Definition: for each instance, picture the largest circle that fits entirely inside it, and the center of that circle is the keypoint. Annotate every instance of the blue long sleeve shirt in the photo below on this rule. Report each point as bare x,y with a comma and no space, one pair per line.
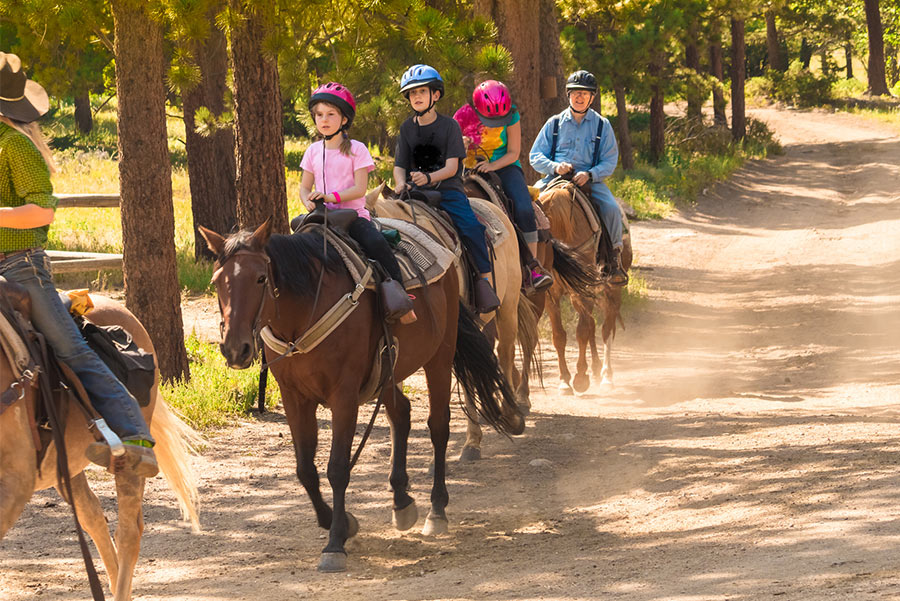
575,145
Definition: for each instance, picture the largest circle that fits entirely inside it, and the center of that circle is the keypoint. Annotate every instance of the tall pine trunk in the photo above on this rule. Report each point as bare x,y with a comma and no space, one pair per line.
772,43
260,180
877,81
626,148
210,158
145,180
520,32
848,55
84,117
717,70
891,62
738,72
806,52
694,91
553,78
657,114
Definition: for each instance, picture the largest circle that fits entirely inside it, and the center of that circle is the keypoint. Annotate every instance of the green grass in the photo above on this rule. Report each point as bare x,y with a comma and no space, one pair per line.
216,394
889,117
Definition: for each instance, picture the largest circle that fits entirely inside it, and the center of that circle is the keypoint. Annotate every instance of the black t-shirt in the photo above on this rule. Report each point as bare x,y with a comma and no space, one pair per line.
426,148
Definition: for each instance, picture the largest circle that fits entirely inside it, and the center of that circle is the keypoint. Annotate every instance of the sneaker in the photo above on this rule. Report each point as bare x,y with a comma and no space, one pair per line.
541,280
140,459
485,298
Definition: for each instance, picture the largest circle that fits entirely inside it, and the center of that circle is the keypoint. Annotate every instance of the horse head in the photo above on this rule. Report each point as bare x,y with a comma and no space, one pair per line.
243,281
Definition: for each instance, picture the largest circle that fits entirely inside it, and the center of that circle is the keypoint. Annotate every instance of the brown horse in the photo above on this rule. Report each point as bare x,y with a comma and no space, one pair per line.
569,224
287,284
514,319
20,476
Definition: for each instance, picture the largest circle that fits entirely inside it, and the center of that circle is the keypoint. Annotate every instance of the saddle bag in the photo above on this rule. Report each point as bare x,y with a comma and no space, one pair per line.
128,362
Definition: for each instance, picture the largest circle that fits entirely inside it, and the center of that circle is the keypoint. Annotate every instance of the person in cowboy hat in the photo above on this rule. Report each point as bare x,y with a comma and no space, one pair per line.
27,208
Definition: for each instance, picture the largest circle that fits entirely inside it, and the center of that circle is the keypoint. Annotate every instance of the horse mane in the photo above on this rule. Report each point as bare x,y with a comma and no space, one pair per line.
296,258
557,205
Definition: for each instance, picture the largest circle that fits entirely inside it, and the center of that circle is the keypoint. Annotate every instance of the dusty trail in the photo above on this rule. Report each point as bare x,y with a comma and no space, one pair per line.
749,451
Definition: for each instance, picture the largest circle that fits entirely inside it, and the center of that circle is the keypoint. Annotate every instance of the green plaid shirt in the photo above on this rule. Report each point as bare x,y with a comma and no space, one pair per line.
24,179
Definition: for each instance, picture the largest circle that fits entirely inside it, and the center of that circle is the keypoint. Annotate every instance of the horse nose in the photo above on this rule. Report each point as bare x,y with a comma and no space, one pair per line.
239,358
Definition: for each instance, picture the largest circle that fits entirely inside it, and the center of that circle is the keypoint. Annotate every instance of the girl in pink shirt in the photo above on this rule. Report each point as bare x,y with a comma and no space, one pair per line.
336,172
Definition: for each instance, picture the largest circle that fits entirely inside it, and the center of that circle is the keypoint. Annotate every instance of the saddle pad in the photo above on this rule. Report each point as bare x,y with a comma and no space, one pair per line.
496,233
490,190
418,252
583,202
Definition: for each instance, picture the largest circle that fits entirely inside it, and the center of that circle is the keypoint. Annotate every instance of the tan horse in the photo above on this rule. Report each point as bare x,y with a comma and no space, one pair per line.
515,319
20,478
569,224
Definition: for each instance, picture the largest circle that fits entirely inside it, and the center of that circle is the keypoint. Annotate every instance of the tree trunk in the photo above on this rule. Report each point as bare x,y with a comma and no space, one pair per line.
877,81
84,118
626,149
152,292
520,32
716,70
806,52
848,54
260,180
210,158
694,92
891,62
826,65
657,115
738,70
553,78
772,44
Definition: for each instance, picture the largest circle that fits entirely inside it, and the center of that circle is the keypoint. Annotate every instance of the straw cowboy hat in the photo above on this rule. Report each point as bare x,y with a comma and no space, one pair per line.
20,98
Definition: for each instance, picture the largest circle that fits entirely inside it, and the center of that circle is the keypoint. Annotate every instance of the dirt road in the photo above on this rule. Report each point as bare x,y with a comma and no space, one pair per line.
749,451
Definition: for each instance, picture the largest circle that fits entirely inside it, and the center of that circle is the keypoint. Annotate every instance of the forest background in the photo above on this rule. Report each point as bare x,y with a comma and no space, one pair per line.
195,110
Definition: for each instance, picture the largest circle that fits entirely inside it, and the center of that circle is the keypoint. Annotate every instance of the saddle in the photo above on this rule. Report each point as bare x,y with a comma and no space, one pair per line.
492,187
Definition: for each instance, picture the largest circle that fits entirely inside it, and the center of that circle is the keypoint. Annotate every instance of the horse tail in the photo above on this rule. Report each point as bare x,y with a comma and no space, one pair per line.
527,334
577,275
478,371
175,443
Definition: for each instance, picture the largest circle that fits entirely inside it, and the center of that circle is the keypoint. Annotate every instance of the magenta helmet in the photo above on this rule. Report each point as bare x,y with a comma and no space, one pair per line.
338,95
493,103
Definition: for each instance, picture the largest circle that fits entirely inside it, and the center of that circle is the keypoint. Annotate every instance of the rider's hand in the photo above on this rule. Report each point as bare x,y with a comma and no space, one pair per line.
564,168
400,188
483,167
418,178
467,141
581,178
314,196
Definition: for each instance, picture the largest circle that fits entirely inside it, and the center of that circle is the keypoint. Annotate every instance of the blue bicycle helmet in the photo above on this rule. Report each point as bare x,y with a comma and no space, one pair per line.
421,75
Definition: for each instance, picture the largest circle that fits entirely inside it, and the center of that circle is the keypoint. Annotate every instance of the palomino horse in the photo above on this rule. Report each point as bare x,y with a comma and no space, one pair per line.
288,287
20,476
578,276
514,319
569,224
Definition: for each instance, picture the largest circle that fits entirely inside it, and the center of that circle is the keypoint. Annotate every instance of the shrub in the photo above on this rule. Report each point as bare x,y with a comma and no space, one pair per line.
801,87
843,88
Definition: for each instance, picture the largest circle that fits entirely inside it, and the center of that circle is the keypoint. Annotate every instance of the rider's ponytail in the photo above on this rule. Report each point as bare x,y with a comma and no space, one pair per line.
346,147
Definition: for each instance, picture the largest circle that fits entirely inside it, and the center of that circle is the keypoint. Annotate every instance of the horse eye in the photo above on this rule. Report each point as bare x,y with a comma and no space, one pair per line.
261,280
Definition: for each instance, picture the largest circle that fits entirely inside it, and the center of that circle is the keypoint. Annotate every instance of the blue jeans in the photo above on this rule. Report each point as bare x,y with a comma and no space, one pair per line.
513,180
610,214
109,396
470,229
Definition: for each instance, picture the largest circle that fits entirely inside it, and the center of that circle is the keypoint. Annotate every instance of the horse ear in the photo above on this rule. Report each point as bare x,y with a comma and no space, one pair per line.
261,236
372,196
214,241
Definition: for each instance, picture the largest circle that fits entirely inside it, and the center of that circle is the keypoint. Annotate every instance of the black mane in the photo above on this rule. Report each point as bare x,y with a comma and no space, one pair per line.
296,259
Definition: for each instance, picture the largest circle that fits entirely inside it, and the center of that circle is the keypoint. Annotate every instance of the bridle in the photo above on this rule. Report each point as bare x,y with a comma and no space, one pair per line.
270,291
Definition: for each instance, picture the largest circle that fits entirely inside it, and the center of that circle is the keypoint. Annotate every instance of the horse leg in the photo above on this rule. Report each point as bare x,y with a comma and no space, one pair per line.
437,373
471,450
585,333
397,407
18,466
90,515
301,418
559,343
608,331
344,411
129,495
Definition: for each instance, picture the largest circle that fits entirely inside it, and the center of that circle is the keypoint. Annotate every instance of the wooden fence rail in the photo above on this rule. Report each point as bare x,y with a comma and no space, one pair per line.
65,261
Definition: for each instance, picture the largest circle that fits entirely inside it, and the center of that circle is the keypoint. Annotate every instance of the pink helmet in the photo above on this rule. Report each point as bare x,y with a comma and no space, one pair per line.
493,103
338,95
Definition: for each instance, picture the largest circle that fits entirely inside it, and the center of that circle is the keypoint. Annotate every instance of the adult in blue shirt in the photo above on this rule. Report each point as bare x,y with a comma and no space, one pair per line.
577,153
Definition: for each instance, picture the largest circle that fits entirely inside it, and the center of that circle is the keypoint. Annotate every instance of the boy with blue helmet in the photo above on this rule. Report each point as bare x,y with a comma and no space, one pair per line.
429,155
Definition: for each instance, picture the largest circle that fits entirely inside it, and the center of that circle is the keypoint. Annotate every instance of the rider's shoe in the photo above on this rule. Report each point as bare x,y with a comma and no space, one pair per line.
485,298
541,280
138,458
617,274
396,302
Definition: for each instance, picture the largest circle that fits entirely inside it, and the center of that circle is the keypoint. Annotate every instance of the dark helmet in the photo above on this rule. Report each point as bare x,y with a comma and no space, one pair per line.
421,75
582,80
338,95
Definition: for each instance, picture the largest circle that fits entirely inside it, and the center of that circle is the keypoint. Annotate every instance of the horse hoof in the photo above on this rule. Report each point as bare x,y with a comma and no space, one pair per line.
516,424
406,518
470,454
581,383
352,525
565,389
333,562
435,526
607,383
